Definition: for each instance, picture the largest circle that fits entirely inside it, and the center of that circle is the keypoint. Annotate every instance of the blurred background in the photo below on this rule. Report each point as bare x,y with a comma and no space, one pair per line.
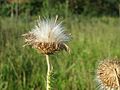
95,29
13,8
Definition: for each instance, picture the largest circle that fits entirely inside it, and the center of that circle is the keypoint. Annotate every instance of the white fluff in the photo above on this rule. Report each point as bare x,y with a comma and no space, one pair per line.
49,31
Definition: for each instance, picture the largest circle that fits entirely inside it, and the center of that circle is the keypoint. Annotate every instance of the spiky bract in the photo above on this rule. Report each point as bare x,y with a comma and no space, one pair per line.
108,74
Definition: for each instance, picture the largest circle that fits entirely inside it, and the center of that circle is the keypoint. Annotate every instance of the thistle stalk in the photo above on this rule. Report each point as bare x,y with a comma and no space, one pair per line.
48,37
48,72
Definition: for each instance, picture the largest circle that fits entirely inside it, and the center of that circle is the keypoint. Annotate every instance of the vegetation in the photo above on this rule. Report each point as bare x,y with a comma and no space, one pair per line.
59,7
95,29
93,39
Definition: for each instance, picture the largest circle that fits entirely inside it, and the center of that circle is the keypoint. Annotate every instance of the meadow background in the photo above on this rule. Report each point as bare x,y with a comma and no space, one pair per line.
95,29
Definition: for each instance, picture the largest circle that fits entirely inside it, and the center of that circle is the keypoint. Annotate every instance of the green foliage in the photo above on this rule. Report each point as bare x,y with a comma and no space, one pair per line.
62,7
93,39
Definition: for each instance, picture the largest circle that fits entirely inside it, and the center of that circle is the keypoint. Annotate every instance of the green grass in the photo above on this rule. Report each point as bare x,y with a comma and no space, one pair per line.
93,39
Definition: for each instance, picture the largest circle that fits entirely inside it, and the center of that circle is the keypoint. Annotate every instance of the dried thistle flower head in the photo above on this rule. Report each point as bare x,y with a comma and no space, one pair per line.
108,74
48,36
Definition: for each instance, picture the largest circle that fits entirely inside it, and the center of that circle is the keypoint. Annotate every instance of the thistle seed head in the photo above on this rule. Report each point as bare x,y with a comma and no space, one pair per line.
47,36
108,74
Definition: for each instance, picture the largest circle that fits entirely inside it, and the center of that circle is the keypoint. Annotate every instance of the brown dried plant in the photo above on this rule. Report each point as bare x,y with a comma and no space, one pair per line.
108,74
48,37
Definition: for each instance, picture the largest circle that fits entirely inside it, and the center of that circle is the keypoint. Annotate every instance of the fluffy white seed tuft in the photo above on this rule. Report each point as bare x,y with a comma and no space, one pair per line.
49,31
47,36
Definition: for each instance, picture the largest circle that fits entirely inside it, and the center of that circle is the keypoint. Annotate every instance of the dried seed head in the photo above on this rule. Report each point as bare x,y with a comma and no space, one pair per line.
108,74
48,36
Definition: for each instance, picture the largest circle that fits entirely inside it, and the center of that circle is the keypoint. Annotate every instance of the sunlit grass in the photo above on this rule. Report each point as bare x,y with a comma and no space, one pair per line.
92,40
